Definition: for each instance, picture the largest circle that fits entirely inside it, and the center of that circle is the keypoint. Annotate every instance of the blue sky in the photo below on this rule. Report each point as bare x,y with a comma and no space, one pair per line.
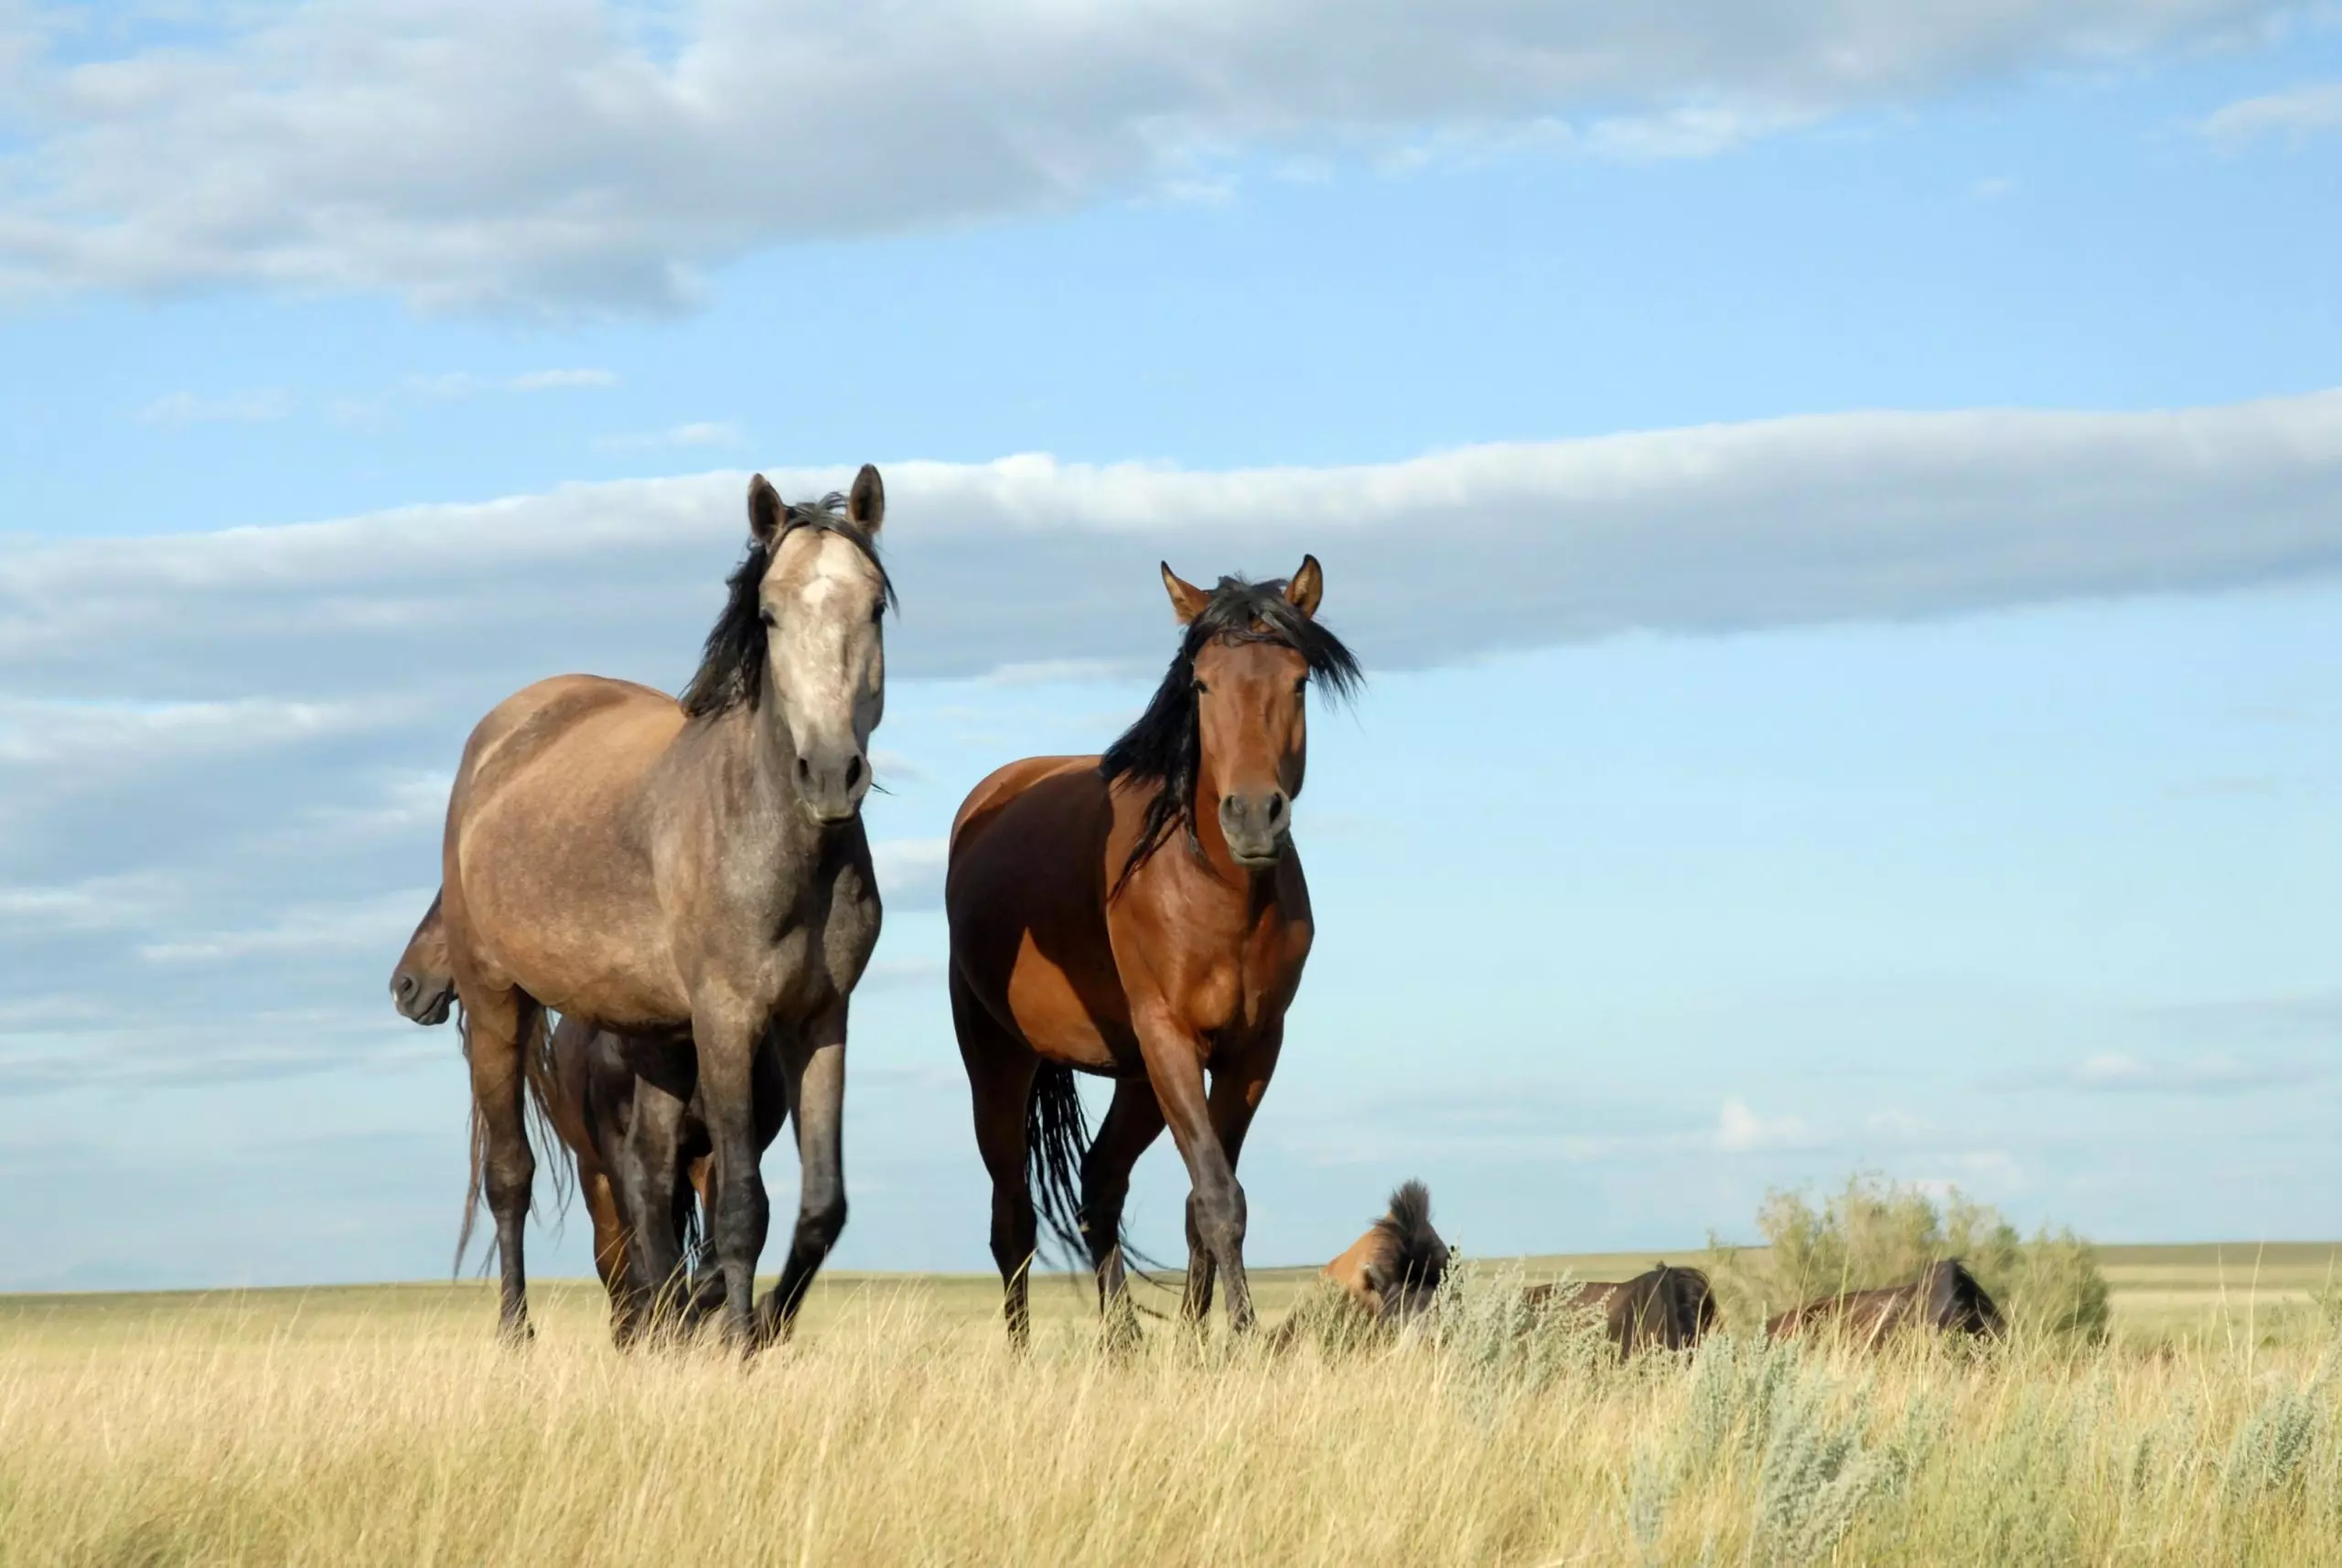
1842,507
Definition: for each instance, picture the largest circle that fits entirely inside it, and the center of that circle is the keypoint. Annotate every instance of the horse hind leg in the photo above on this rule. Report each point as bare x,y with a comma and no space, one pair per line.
1001,1068
1133,1121
501,1026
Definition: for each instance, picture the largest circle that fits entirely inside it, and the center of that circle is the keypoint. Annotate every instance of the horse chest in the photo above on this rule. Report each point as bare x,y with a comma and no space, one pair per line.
1251,985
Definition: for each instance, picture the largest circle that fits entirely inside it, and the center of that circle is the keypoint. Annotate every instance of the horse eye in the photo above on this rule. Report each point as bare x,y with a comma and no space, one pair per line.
766,617
1301,685
878,612
1201,688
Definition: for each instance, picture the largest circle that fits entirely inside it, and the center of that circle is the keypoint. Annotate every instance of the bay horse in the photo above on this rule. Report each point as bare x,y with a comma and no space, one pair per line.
626,1112
692,870
1945,1298
1142,916
1665,1308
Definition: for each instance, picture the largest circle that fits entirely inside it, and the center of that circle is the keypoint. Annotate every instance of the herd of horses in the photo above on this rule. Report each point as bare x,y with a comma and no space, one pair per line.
685,886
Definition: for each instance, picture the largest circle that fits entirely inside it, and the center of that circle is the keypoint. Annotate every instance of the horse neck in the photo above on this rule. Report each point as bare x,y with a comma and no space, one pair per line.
754,799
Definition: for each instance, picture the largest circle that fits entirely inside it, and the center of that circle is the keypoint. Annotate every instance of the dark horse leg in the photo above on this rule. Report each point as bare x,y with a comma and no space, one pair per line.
1000,1082
1132,1122
814,1068
728,1033
1209,1129
647,1169
609,1251
499,1027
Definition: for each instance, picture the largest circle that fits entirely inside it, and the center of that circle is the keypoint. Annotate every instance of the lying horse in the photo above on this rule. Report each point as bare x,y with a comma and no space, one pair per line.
1945,1298
627,1111
1666,1307
1388,1278
1393,1272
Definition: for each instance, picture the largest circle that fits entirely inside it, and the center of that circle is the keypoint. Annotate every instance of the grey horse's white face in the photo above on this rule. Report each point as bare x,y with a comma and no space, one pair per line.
825,646
824,604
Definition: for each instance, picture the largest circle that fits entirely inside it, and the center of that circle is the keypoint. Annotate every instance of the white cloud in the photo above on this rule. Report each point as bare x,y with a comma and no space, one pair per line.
552,153
377,924
1740,1131
233,408
1030,561
2293,116
1894,1124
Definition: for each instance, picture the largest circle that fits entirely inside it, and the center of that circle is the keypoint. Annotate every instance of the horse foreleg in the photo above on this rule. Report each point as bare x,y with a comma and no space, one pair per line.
815,1069
728,1036
1175,1065
1237,1087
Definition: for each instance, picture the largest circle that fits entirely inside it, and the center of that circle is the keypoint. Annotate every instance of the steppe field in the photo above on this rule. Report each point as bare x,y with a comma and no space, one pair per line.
382,1426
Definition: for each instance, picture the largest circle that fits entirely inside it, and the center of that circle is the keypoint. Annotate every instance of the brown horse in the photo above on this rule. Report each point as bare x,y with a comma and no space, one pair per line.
692,871
1666,1307
1946,1298
1142,916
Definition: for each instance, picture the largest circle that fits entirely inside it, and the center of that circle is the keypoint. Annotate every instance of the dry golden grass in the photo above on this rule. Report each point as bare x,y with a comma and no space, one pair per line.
362,1427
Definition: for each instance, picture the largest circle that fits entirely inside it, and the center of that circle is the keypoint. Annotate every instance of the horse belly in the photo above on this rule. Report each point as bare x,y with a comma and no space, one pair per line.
1049,1008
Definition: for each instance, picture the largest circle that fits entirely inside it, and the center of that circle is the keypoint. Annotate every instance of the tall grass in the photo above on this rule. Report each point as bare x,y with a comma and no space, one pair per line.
893,1435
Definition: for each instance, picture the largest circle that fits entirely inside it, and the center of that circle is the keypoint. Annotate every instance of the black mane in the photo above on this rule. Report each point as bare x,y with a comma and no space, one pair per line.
1162,749
731,663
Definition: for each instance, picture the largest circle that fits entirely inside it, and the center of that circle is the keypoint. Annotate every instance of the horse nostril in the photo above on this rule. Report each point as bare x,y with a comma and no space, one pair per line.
853,772
1276,806
804,771
404,986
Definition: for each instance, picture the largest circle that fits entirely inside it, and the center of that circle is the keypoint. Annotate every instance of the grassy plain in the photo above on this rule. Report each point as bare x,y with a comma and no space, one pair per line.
379,1425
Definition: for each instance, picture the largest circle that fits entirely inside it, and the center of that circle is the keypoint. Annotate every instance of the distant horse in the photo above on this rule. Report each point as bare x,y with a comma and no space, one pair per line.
1392,1273
1142,916
1388,1278
1666,1307
627,1113
1946,1298
692,871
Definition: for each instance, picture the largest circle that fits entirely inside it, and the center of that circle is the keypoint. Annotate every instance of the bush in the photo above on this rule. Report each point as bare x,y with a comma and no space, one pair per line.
1876,1233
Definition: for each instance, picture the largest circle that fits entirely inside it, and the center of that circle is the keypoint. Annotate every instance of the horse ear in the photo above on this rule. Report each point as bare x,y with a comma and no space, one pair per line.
866,507
1307,591
1188,601
763,511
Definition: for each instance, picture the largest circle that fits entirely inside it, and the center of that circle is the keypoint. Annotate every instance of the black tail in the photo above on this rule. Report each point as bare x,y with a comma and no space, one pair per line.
1056,1138
536,1070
